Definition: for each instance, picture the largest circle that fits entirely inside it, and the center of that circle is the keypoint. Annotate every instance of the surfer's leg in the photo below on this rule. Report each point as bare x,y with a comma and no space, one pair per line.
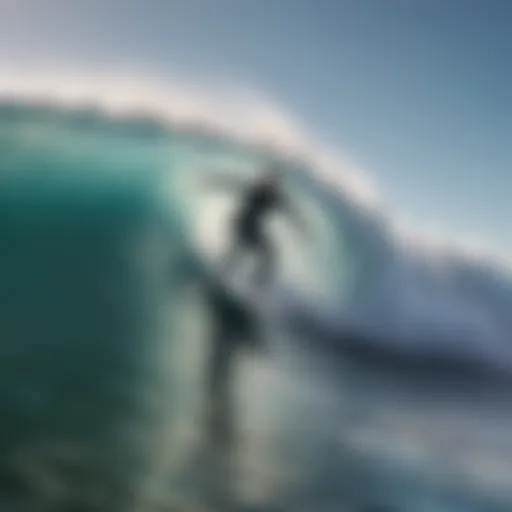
243,239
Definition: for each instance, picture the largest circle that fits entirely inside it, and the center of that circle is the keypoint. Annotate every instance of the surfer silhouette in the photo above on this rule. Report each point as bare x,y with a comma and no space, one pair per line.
233,323
248,235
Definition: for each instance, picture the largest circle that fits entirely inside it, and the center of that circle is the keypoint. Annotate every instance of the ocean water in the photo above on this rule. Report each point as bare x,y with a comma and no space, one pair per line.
380,379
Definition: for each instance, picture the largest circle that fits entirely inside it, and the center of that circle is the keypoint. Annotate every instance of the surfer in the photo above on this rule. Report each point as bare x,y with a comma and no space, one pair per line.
235,324
248,235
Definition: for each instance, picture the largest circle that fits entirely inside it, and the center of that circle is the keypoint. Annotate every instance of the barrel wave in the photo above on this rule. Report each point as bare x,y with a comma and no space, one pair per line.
379,353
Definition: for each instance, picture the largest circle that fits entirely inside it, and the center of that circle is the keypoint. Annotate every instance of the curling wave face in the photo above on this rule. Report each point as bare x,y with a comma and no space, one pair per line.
99,221
364,276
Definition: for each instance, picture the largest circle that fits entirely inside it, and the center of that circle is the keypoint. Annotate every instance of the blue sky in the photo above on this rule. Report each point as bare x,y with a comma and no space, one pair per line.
417,92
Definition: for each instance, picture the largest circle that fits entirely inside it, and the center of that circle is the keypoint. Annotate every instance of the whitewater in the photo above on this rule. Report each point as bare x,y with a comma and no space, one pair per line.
388,379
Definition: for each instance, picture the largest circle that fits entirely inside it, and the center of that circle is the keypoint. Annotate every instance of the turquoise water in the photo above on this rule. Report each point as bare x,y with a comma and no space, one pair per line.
104,343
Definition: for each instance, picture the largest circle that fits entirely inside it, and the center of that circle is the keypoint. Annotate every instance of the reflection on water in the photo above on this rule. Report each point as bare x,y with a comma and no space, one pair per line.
318,434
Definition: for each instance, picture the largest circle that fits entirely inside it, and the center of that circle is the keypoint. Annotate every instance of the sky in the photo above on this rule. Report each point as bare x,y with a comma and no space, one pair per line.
417,92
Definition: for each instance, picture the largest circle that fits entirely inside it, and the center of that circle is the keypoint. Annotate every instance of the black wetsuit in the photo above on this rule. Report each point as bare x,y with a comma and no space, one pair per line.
260,200
248,229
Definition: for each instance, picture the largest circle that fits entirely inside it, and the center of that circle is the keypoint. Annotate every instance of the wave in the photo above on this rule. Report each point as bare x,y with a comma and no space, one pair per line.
103,336
391,291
